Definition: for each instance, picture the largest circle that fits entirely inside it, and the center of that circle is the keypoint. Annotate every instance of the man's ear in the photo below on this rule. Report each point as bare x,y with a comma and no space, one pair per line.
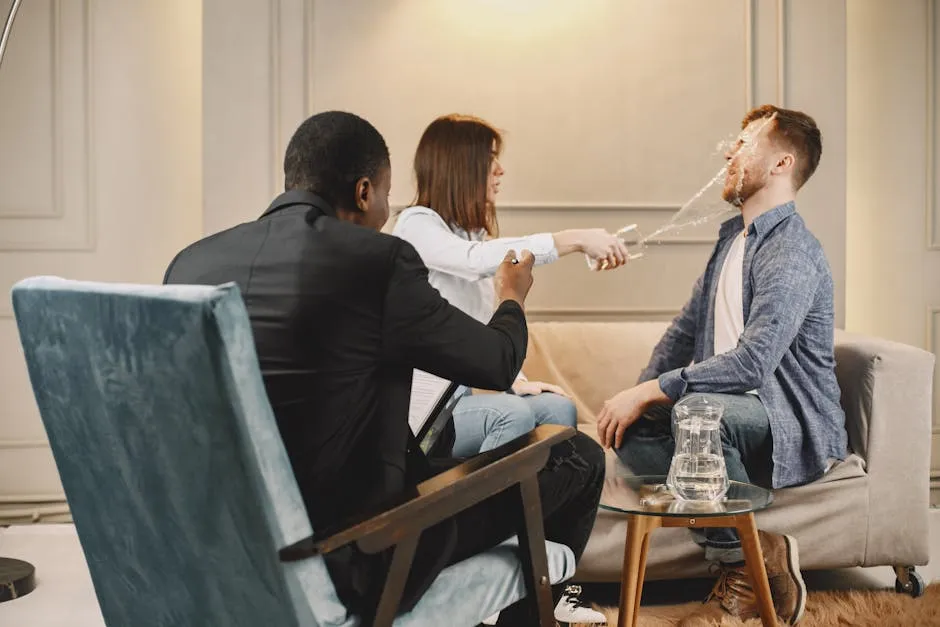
785,163
364,191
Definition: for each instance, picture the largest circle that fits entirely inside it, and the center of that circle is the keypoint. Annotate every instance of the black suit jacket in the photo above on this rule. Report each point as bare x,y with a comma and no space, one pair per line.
341,315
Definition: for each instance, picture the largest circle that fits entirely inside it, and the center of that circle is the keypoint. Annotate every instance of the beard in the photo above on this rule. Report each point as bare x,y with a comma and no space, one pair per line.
741,185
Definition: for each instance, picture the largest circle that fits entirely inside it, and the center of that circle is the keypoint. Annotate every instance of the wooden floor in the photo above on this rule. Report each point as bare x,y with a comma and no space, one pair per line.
64,596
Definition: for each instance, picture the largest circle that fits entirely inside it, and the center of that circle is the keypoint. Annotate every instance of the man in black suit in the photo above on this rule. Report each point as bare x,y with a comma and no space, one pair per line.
341,315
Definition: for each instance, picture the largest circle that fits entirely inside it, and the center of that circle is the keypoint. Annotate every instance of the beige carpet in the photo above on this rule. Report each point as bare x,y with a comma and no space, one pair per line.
856,608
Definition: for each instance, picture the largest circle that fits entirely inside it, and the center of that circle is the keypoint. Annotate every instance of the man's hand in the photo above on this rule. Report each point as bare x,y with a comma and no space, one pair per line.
534,388
624,409
513,278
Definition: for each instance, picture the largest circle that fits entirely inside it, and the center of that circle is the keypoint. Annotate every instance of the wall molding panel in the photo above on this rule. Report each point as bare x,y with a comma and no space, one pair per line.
600,314
758,28
291,84
279,51
274,91
55,180
933,345
933,126
23,444
534,211
762,63
69,223
783,33
932,206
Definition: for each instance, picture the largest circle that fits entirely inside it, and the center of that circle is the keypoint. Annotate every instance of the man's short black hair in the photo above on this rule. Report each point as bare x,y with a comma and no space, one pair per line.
329,152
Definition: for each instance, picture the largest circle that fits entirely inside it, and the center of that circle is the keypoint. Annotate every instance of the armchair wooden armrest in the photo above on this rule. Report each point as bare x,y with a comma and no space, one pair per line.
516,463
443,495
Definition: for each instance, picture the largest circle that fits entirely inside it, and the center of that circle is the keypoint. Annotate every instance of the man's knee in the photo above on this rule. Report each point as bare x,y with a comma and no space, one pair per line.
588,449
743,420
582,454
647,446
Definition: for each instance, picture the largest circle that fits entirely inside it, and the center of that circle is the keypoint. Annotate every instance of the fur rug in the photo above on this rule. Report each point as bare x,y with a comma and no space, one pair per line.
856,608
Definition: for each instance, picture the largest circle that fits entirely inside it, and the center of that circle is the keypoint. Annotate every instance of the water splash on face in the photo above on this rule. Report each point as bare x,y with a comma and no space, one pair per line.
707,203
726,145
739,153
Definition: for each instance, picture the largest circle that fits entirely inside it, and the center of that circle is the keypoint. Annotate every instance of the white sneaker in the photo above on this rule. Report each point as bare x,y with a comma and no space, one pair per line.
571,609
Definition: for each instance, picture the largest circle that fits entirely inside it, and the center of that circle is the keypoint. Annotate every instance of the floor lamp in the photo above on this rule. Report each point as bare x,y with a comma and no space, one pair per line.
16,576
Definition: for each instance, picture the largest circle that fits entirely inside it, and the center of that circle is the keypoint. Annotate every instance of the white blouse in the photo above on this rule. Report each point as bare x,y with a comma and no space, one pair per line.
461,265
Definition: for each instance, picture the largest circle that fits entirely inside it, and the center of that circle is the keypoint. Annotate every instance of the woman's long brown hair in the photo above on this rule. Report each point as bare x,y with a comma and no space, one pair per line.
452,164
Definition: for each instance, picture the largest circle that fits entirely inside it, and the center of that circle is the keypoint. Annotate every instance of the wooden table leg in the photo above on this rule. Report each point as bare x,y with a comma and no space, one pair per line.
754,558
632,576
651,523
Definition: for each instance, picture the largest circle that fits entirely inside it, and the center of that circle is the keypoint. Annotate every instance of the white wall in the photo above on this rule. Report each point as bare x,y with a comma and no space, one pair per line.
113,133
100,172
612,110
893,225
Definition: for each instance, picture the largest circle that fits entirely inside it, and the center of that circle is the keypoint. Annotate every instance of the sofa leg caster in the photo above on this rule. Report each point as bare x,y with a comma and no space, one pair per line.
909,581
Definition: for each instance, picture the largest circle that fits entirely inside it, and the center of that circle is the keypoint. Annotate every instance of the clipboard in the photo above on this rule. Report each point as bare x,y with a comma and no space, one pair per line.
439,418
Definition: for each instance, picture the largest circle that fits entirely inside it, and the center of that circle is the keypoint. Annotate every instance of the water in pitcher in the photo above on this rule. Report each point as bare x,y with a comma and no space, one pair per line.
699,477
697,471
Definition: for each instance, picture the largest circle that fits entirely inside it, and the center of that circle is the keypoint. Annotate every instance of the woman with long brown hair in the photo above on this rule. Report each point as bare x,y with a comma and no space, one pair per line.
453,227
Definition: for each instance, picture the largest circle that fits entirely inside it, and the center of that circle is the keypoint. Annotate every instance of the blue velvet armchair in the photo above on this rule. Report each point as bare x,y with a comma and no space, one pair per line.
181,490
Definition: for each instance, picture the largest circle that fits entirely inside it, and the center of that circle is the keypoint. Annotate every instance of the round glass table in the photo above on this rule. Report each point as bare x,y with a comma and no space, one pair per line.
648,504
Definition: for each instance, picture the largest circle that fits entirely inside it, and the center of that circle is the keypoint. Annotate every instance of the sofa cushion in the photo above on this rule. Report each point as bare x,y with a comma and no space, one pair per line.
591,360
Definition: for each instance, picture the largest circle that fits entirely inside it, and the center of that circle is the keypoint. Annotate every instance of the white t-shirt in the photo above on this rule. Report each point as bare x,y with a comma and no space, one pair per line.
729,299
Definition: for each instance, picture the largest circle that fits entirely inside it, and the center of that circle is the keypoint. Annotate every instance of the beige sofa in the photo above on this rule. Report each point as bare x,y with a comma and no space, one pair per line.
869,510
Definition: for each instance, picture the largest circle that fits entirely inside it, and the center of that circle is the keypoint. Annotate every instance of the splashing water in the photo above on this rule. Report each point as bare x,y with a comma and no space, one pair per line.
694,213
700,208
690,214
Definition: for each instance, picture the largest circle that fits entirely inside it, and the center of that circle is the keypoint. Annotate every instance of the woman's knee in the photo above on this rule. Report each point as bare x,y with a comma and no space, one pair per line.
513,415
554,409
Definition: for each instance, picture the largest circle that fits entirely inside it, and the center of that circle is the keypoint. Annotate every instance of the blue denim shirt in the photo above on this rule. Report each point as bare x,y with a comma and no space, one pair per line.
785,352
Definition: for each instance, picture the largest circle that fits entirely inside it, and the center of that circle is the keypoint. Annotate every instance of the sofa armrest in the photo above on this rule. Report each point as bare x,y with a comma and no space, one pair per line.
887,394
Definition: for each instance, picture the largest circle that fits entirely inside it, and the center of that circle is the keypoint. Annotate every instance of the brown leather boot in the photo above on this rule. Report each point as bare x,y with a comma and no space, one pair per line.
733,593
782,561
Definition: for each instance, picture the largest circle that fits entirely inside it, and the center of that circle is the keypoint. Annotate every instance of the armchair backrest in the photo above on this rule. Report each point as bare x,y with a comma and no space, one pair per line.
178,482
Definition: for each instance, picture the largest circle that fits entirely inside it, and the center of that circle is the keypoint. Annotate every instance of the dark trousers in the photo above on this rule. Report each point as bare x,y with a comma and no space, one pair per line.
570,489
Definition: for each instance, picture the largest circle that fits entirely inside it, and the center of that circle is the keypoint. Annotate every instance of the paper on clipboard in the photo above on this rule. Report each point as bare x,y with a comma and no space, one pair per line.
426,390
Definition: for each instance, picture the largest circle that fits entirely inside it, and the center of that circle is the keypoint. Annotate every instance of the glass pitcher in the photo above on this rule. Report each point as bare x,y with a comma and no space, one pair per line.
697,471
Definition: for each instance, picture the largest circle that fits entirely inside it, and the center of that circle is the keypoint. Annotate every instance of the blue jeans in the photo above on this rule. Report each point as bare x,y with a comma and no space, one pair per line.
484,421
746,442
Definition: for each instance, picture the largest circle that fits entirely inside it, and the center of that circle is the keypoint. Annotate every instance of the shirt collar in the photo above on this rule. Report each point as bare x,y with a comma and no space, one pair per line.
299,197
763,224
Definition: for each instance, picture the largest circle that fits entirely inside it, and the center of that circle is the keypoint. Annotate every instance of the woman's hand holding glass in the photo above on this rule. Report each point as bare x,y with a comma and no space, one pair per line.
607,250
